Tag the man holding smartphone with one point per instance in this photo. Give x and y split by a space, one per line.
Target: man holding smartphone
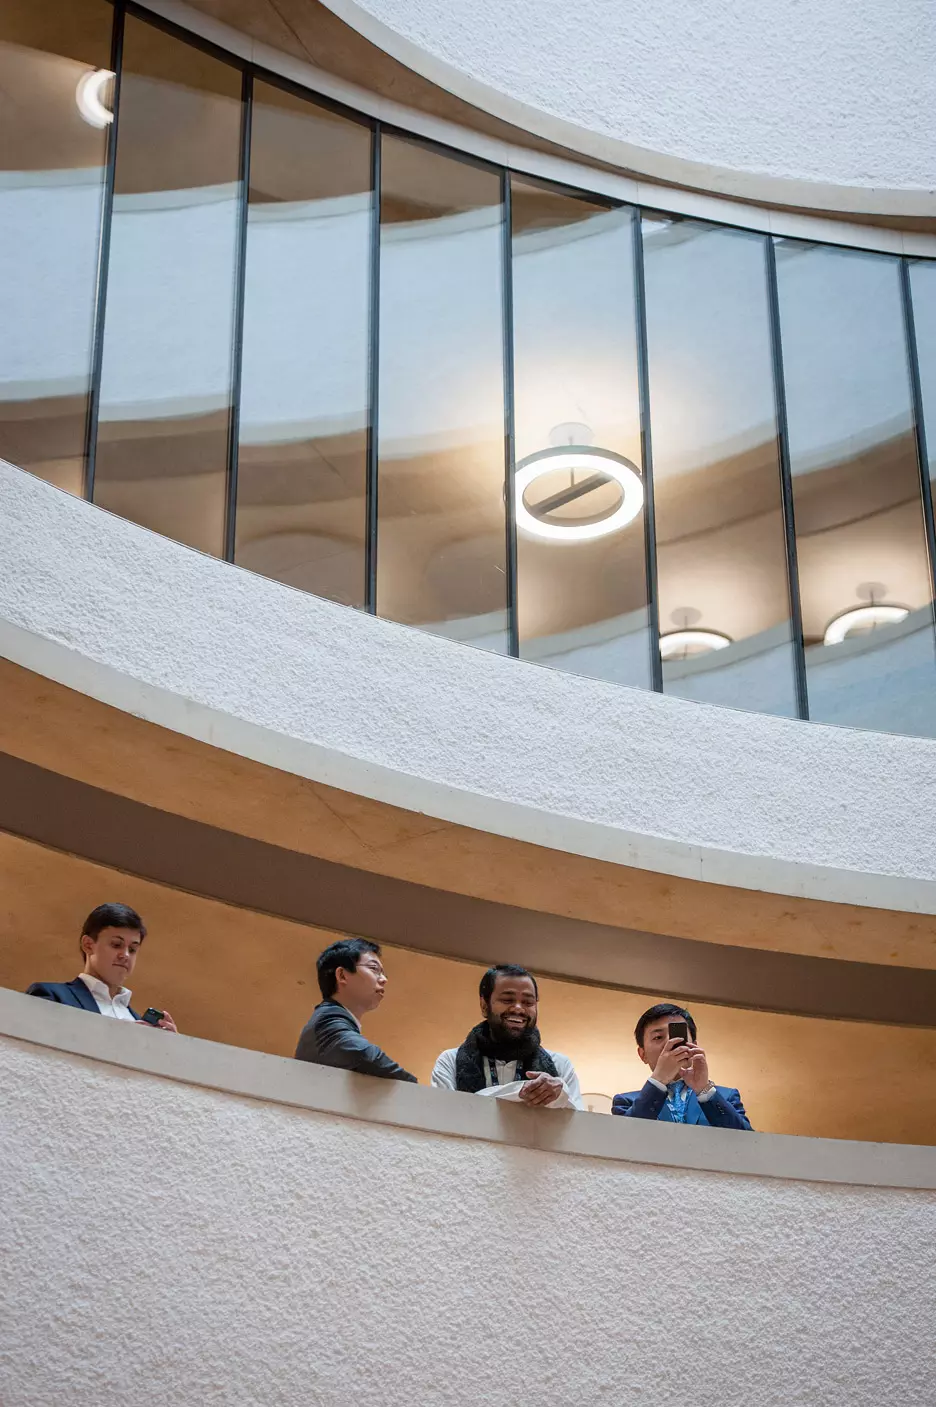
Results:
111 937
679 1090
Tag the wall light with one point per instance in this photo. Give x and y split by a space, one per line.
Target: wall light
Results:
862 617
88 97
700 642
599 465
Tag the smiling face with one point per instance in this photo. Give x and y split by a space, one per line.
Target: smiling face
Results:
110 957
512 1010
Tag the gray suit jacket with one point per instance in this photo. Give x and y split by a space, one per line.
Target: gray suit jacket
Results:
331 1036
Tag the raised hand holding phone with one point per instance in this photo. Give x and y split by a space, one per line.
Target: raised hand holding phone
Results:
671 1061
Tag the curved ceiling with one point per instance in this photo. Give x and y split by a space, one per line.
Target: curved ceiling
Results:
762 104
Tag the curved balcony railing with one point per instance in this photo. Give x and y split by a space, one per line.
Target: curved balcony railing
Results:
666 453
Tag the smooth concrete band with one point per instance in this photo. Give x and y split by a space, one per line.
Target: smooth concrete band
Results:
71 816
281 1081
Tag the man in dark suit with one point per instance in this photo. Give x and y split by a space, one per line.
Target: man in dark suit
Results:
111 937
352 982
679 1090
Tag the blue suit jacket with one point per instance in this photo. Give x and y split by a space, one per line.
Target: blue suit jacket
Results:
723 1111
69 994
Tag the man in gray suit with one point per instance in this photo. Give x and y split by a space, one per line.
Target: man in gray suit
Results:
352 982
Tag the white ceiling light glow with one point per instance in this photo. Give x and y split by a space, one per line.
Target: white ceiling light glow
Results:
862 618
88 96
696 642
597 465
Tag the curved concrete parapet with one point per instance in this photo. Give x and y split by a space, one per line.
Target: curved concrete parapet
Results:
286 1233
404 717
830 106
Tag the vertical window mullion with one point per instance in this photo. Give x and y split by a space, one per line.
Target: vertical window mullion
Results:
646 456
107 216
370 555
786 482
237 351
509 437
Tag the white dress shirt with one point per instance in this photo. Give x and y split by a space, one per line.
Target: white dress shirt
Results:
508 1086
118 1007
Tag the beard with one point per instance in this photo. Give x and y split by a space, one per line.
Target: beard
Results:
505 1043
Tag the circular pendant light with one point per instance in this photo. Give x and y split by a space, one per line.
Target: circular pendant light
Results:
692 642
88 96
597 467
863 618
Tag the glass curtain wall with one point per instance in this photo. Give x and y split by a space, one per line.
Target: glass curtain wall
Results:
441 539
56 92
723 587
581 557
861 547
370 348
165 405
302 463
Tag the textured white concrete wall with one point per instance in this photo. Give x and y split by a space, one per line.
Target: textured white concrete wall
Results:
421 722
169 1244
840 93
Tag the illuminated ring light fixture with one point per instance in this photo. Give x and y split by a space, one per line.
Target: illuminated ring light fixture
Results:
842 626
89 100
704 640
584 459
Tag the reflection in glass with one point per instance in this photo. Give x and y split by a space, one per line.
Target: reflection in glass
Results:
721 553
51 186
856 489
581 572
302 475
166 377
923 290
441 544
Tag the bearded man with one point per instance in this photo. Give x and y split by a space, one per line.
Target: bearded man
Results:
503 1056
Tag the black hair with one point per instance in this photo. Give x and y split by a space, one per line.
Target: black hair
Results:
346 953
656 1013
502 969
111 916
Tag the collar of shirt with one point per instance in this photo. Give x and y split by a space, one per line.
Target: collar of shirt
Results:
101 992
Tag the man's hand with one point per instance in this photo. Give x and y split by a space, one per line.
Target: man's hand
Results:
166 1024
672 1060
696 1074
540 1089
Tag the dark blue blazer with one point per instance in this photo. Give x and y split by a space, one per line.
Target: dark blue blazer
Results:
723 1111
69 994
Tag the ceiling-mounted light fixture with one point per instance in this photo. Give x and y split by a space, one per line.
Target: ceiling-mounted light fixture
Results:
596 467
88 97
862 618
682 643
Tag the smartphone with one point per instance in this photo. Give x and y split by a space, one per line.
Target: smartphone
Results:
678 1030
152 1017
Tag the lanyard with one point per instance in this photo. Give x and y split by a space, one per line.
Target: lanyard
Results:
493 1069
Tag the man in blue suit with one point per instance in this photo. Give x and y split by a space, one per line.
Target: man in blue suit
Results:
679 1090
111 937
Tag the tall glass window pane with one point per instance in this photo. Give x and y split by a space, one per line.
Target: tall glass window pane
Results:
441 546
923 288
856 490
721 551
51 183
582 589
166 378
302 475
